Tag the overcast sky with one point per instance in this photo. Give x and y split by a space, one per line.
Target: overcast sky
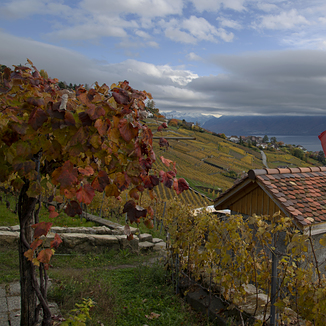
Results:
229 57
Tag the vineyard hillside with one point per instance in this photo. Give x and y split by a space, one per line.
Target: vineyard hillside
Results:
210 163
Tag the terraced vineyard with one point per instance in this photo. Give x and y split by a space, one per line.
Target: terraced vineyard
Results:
207 161
275 159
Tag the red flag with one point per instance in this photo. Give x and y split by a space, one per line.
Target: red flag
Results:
322 138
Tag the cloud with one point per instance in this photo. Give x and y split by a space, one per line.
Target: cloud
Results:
279 82
216 5
193 30
175 34
285 20
142 34
193 57
229 23
200 28
72 67
267 7
144 8
17 9
153 44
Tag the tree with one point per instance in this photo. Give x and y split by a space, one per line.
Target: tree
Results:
321 156
62 85
265 139
150 105
71 148
297 152
173 123
44 74
273 140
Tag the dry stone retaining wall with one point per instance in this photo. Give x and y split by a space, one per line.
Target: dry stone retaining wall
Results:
86 239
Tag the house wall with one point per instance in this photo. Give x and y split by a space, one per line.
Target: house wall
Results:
255 202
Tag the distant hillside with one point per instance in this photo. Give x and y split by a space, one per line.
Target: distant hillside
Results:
211 164
262 125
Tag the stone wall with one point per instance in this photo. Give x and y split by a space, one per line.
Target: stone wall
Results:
85 239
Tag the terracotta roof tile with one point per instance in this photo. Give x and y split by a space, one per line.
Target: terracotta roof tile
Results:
304 169
301 192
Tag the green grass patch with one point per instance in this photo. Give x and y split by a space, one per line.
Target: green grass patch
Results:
125 287
9 217
9 262
126 291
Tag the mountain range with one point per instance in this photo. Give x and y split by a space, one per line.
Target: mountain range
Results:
266 125
189 117
255 125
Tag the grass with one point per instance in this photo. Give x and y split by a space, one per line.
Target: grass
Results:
123 296
126 291
9 263
125 288
9 218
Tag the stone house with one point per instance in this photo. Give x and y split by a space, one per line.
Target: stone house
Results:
299 193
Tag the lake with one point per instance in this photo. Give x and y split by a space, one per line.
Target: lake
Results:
310 143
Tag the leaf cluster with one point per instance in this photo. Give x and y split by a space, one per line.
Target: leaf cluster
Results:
75 147
233 253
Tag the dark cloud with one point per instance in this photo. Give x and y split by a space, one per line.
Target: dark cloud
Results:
276 82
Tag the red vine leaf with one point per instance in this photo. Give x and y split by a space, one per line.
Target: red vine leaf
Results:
150 211
121 96
122 181
69 119
52 211
35 101
102 126
87 171
29 254
163 142
85 194
95 112
167 178
162 126
37 118
134 212
45 256
85 119
78 138
166 161
41 228
73 208
101 181
82 96
149 224
69 193
127 130
180 185
56 242
150 181
36 243
65 175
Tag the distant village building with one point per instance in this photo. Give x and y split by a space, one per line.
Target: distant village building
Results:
234 139
263 145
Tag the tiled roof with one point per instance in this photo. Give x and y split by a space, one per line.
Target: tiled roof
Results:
301 192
